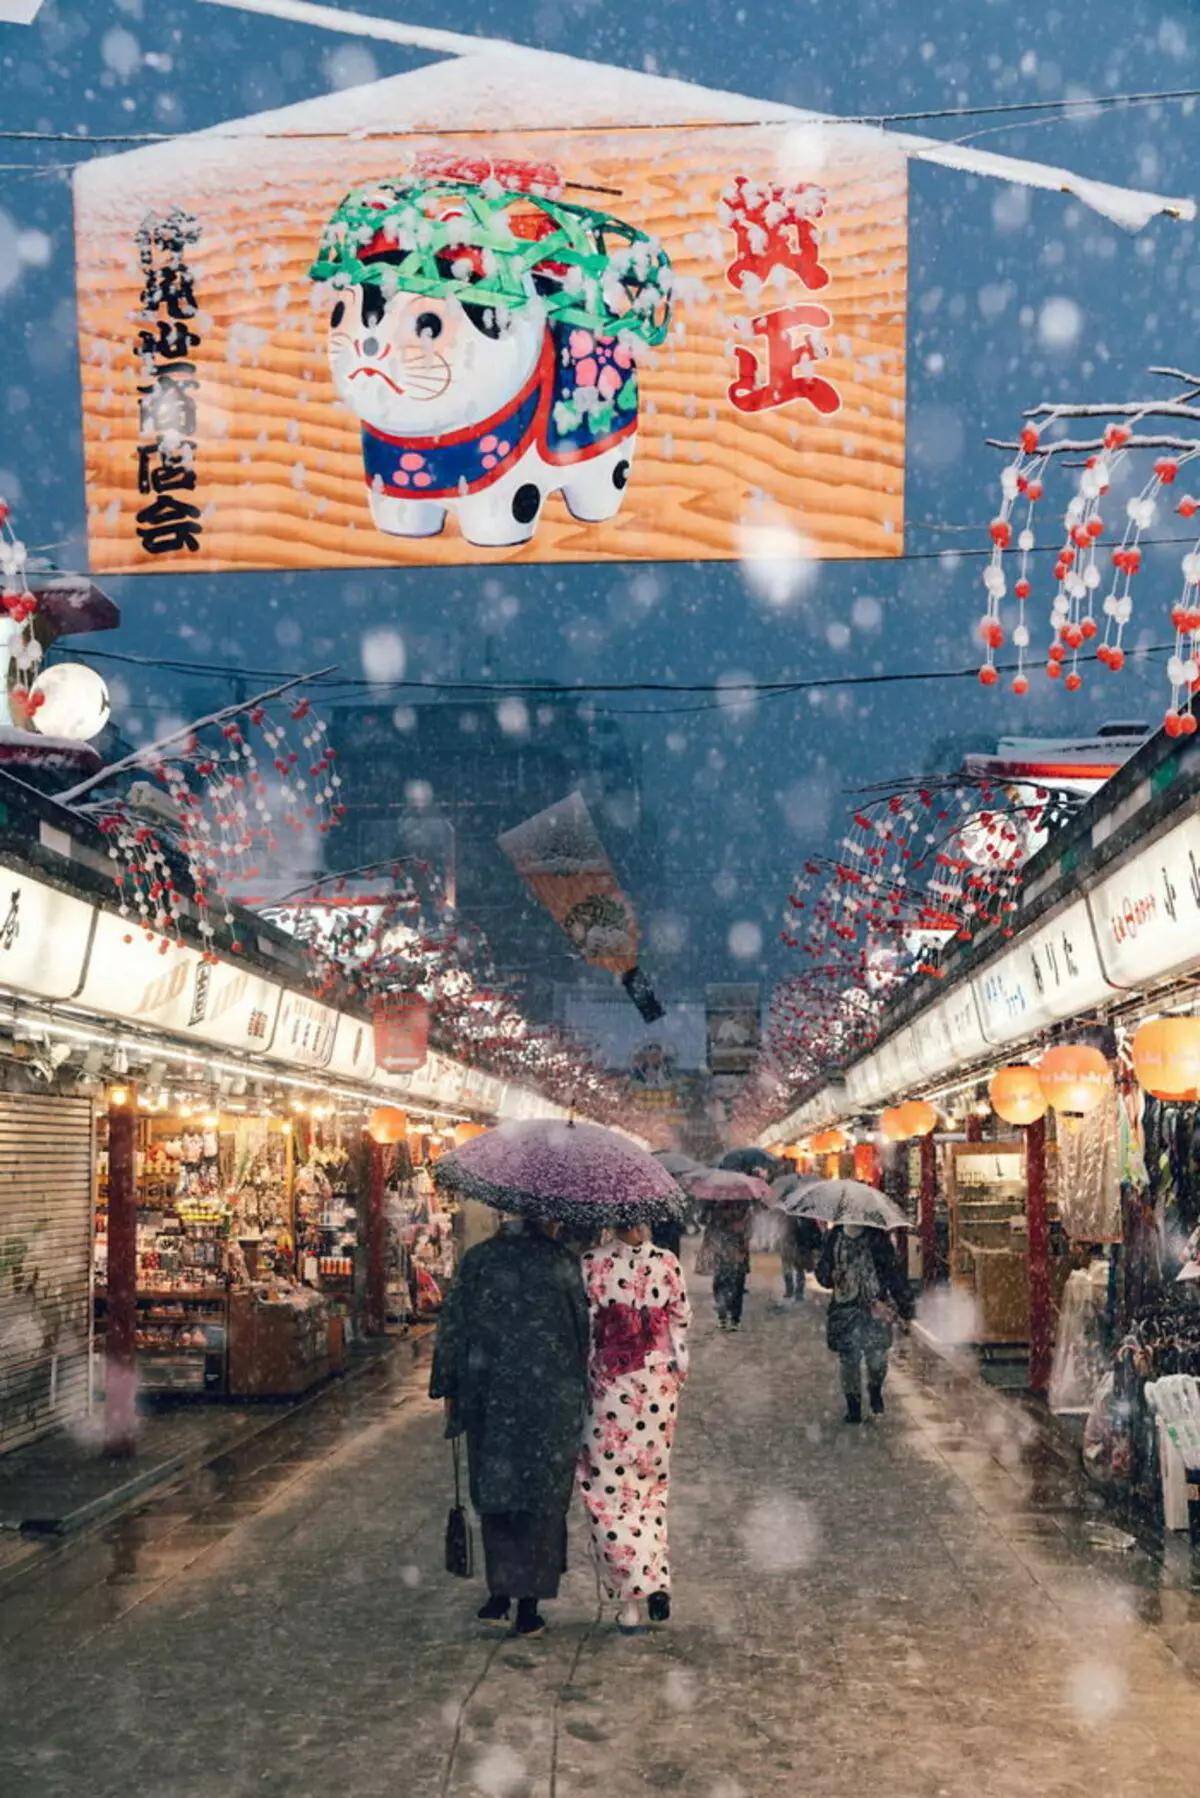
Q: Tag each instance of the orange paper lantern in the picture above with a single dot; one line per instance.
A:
(387, 1124)
(918, 1117)
(1166, 1058)
(464, 1133)
(892, 1124)
(1017, 1096)
(830, 1142)
(1074, 1079)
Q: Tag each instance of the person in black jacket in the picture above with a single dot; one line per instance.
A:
(511, 1362)
(870, 1292)
(799, 1246)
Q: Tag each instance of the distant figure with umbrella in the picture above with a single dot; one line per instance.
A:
(640, 1318)
(512, 1352)
(728, 1200)
(799, 1239)
(870, 1292)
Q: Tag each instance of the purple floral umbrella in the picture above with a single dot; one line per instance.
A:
(569, 1173)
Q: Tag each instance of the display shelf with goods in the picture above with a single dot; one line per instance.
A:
(421, 1246)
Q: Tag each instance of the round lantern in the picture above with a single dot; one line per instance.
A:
(1166, 1058)
(892, 1125)
(830, 1142)
(71, 701)
(918, 1118)
(1017, 1096)
(387, 1124)
(464, 1133)
(1074, 1079)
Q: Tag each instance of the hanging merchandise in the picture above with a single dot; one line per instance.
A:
(1089, 1174)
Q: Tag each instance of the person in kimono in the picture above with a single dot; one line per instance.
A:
(870, 1293)
(511, 1363)
(639, 1361)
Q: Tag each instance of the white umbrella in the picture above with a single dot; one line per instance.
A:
(846, 1202)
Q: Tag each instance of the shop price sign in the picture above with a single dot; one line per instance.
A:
(1147, 912)
(171, 986)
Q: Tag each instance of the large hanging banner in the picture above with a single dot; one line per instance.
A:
(648, 344)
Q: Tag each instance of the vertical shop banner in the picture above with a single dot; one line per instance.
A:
(401, 1032)
(559, 855)
(734, 1028)
(681, 342)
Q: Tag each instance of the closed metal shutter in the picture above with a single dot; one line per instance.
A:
(47, 1168)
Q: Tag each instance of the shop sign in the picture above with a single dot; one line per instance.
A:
(931, 1045)
(963, 1029)
(401, 1032)
(1147, 912)
(353, 1055)
(44, 937)
(305, 1033)
(170, 986)
(734, 312)
(1054, 974)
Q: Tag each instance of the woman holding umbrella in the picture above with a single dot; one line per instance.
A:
(870, 1292)
(513, 1343)
(728, 1198)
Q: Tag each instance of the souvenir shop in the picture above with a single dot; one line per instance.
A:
(199, 1199)
(1042, 1111)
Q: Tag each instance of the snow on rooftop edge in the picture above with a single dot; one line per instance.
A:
(499, 89)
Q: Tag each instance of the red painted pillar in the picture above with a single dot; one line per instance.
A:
(376, 1241)
(120, 1334)
(974, 1127)
(927, 1212)
(1041, 1328)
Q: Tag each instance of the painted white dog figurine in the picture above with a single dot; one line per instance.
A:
(482, 411)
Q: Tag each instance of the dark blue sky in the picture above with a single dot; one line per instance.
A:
(739, 795)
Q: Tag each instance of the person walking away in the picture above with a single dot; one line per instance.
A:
(511, 1361)
(726, 1249)
(799, 1247)
(668, 1234)
(869, 1293)
(639, 1361)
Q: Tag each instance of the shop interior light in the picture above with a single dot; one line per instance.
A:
(118, 1095)
(210, 1120)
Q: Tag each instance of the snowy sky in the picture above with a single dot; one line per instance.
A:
(1013, 297)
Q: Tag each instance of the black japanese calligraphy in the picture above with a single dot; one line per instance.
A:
(167, 395)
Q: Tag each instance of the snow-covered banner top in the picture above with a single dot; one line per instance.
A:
(669, 341)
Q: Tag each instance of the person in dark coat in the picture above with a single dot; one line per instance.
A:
(870, 1291)
(726, 1251)
(511, 1362)
(799, 1247)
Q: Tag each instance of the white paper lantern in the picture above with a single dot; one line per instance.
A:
(75, 702)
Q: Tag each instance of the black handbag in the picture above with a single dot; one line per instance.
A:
(460, 1546)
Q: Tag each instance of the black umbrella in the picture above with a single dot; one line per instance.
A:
(754, 1161)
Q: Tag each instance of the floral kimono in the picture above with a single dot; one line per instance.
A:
(640, 1316)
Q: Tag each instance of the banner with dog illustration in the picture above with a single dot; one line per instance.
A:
(682, 342)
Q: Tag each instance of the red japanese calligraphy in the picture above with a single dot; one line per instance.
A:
(791, 363)
(775, 227)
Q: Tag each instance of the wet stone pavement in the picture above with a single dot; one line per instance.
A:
(913, 1608)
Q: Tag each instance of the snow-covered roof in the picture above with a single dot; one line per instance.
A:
(493, 86)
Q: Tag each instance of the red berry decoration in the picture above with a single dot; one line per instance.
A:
(1073, 682)
(988, 676)
(1188, 507)
(1116, 660)
(1173, 724)
(1187, 724)
(1034, 490)
(1166, 470)
(1054, 670)
(1001, 532)
(1022, 589)
(1088, 628)
(1095, 526)
(1020, 685)
(1029, 439)
(1056, 652)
